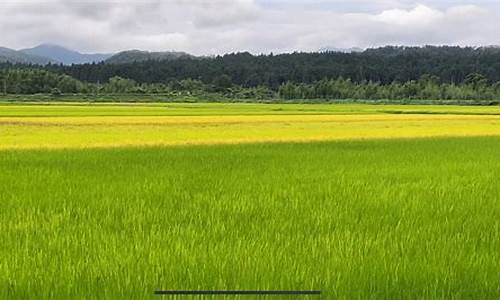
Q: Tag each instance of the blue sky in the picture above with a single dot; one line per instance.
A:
(259, 26)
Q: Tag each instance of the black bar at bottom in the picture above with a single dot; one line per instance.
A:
(298, 293)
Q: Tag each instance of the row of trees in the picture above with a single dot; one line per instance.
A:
(32, 81)
(39, 81)
(474, 87)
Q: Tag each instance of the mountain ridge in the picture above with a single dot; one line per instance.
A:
(8, 55)
(64, 55)
(46, 53)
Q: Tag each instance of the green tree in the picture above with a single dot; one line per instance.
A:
(476, 80)
(222, 83)
(120, 85)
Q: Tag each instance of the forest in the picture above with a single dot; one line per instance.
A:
(383, 65)
(438, 73)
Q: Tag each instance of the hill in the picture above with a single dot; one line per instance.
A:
(14, 56)
(140, 56)
(64, 55)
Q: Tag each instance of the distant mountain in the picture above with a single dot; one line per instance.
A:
(64, 55)
(341, 50)
(48, 53)
(14, 56)
(138, 56)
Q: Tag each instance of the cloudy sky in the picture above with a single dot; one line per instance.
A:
(259, 26)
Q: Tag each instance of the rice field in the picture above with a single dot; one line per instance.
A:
(101, 126)
(362, 202)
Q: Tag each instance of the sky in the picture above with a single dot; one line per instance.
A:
(207, 27)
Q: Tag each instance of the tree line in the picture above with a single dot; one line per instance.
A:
(428, 87)
(382, 65)
(475, 87)
(26, 81)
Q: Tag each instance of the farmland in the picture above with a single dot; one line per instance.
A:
(101, 126)
(358, 201)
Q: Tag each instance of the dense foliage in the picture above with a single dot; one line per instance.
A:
(384, 65)
(31, 81)
(139, 56)
(474, 87)
(34, 81)
(437, 73)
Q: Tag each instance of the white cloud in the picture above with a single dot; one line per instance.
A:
(421, 15)
(218, 26)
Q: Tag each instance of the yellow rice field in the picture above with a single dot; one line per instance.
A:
(85, 130)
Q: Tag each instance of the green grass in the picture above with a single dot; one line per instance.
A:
(416, 218)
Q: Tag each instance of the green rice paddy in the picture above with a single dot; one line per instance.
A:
(370, 218)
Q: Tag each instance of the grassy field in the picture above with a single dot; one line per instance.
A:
(355, 218)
